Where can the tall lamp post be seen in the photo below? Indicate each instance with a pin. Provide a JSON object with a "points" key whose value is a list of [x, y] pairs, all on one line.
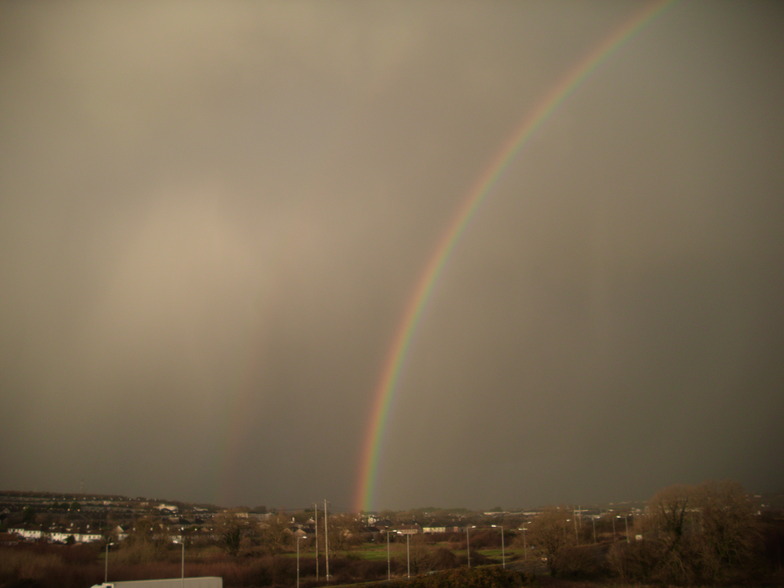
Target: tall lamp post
{"points": [[298, 540], [389, 565], [181, 541], [503, 547], [626, 522], [525, 545], [576, 531], [468, 546], [408, 556], [106, 564]]}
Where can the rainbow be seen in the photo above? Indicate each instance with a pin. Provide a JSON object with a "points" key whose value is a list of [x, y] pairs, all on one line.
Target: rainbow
{"points": [[568, 83]]}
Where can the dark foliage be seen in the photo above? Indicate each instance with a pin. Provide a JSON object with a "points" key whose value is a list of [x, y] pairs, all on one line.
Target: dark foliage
{"points": [[584, 562], [490, 577]]}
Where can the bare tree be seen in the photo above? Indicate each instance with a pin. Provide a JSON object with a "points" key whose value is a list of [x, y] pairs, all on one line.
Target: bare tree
{"points": [[668, 509], [344, 531], [703, 533], [550, 533], [276, 536], [727, 532], [231, 529]]}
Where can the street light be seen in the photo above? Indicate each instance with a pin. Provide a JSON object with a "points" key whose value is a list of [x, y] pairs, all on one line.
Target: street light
{"points": [[525, 545], [106, 564], [468, 544], [408, 556], [389, 565], [182, 559], [298, 540], [503, 547], [626, 521]]}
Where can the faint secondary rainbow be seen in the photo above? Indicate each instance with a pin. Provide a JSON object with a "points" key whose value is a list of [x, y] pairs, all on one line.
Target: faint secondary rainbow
{"points": [[372, 446]]}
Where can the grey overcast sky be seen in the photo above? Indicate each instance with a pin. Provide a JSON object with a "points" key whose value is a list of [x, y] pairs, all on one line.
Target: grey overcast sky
{"points": [[213, 214]]}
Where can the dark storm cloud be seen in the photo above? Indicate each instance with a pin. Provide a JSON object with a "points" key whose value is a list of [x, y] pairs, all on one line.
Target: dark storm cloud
{"points": [[212, 217]]}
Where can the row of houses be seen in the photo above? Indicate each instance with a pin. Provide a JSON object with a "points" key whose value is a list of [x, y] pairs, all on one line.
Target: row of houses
{"points": [[55, 536], [65, 535]]}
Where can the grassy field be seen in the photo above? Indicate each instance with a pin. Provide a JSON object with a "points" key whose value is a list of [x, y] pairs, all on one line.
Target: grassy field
{"points": [[375, 551]]}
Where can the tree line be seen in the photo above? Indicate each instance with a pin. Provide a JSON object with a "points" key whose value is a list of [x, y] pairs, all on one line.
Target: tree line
{"points": [[709, 533], [705, 534]]}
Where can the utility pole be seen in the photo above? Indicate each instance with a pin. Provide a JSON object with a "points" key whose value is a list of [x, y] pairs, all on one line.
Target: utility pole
{"points": [[326, 538], [315, 514]]}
